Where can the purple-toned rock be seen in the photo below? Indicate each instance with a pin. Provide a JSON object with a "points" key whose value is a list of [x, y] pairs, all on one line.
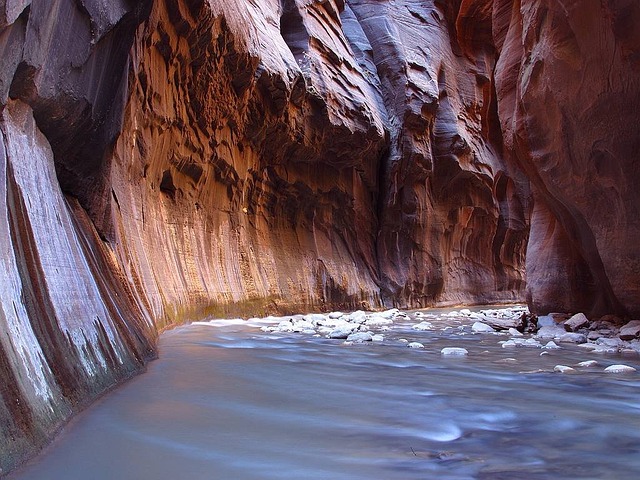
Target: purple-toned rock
{"points": [[630, 331], [576, 322]]}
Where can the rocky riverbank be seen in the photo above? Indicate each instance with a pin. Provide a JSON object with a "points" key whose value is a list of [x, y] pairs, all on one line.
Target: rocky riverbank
{"points": [[516, 324]]}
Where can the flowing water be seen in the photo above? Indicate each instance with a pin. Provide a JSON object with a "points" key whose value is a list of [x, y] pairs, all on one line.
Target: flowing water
{"points": [[228, 401]]}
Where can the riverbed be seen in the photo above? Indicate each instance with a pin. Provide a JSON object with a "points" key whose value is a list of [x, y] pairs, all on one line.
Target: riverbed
{"points": [[227, 400]]}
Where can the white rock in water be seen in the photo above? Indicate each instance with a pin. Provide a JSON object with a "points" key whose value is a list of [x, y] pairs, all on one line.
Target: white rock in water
{"points": [[302, 325], [342, 331], [514, 333], [334, 315], [359, 337], [415, 345], [423, 326], [572, 338], [479, 327], [563, 369], [309, 331], [454, 351], [377, 321], [418, 314], [587, 364], [509, 344], [314, 318], [356, 317], [544, 353], [531, 342], [465, 311], [403, 340], [377, 338], [619, 369], [550, 332], [389, 313], [551, 345]]}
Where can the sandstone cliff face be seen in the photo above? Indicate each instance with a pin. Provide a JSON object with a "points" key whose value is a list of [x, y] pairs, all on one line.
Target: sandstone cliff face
{"points": [[166, 159], [568, 97]]}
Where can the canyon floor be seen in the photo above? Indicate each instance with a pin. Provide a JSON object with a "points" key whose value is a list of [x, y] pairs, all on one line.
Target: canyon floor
{"points": [[418, 394]]}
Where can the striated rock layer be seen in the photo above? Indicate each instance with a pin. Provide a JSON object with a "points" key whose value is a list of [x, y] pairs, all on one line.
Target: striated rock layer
{"points": [[163, 160]]}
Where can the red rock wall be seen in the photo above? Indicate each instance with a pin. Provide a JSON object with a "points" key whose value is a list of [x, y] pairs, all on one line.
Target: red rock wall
{"points": [[568, 83], [164, 160]]}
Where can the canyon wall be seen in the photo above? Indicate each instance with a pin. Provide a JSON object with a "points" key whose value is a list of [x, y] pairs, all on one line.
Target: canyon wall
{"points": [[164, 160]]}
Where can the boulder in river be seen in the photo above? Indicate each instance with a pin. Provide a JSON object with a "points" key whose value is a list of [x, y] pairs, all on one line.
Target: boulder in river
{"points": [[631, 330], [578, 321]]}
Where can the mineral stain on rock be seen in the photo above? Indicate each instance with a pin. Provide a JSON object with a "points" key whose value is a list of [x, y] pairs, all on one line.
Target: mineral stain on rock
{"points": [[165, 160]]}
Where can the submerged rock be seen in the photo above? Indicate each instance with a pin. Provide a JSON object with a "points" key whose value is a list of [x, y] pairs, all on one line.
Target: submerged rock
{"points": [[563, 369], [454, 351], [360, 337], [415, 345], [619, 369]]}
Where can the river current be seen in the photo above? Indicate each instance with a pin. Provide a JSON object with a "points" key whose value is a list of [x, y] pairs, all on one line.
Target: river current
{"points": [[228, 401]]}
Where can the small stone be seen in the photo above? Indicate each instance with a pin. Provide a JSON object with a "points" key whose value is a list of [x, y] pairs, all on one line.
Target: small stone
{"points": [[415, 345], [572, 338], [509, 344], [403, 340], [479, 327], [423, 326], [551, 345], [514, 333], [309, 331], [544, 353], [563, 369], [619, 369], [378, 321], [360, 337], [506, 360], [335, 315], [465, 311], [377, 338], [576, 322], [587, 364], [630, 331], [454, 351]]}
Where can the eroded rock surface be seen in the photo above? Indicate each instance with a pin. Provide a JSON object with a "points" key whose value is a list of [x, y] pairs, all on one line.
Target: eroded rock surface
{"points": [[164, 160]]}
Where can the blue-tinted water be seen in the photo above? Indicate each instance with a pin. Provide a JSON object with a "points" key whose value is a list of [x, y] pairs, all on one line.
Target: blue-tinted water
{"points": [[232, 402]]}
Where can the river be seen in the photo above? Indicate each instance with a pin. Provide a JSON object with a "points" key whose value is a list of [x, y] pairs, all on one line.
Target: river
{"points": [[226, 400]]}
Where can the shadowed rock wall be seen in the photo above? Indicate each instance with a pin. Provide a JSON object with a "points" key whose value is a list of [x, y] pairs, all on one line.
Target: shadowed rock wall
{"points": [[167, 159]]}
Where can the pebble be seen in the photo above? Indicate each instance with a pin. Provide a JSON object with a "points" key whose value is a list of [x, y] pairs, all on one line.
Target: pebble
{"points": [[514, 333], [551, 345], [423, 326], [509, 344], [415, 345], [334, 315], [343, 331], [454, 351], [377, 338], [563, 369], [619, 369], [378, 321], [572, 338], [587, 364], [479, 327]]}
